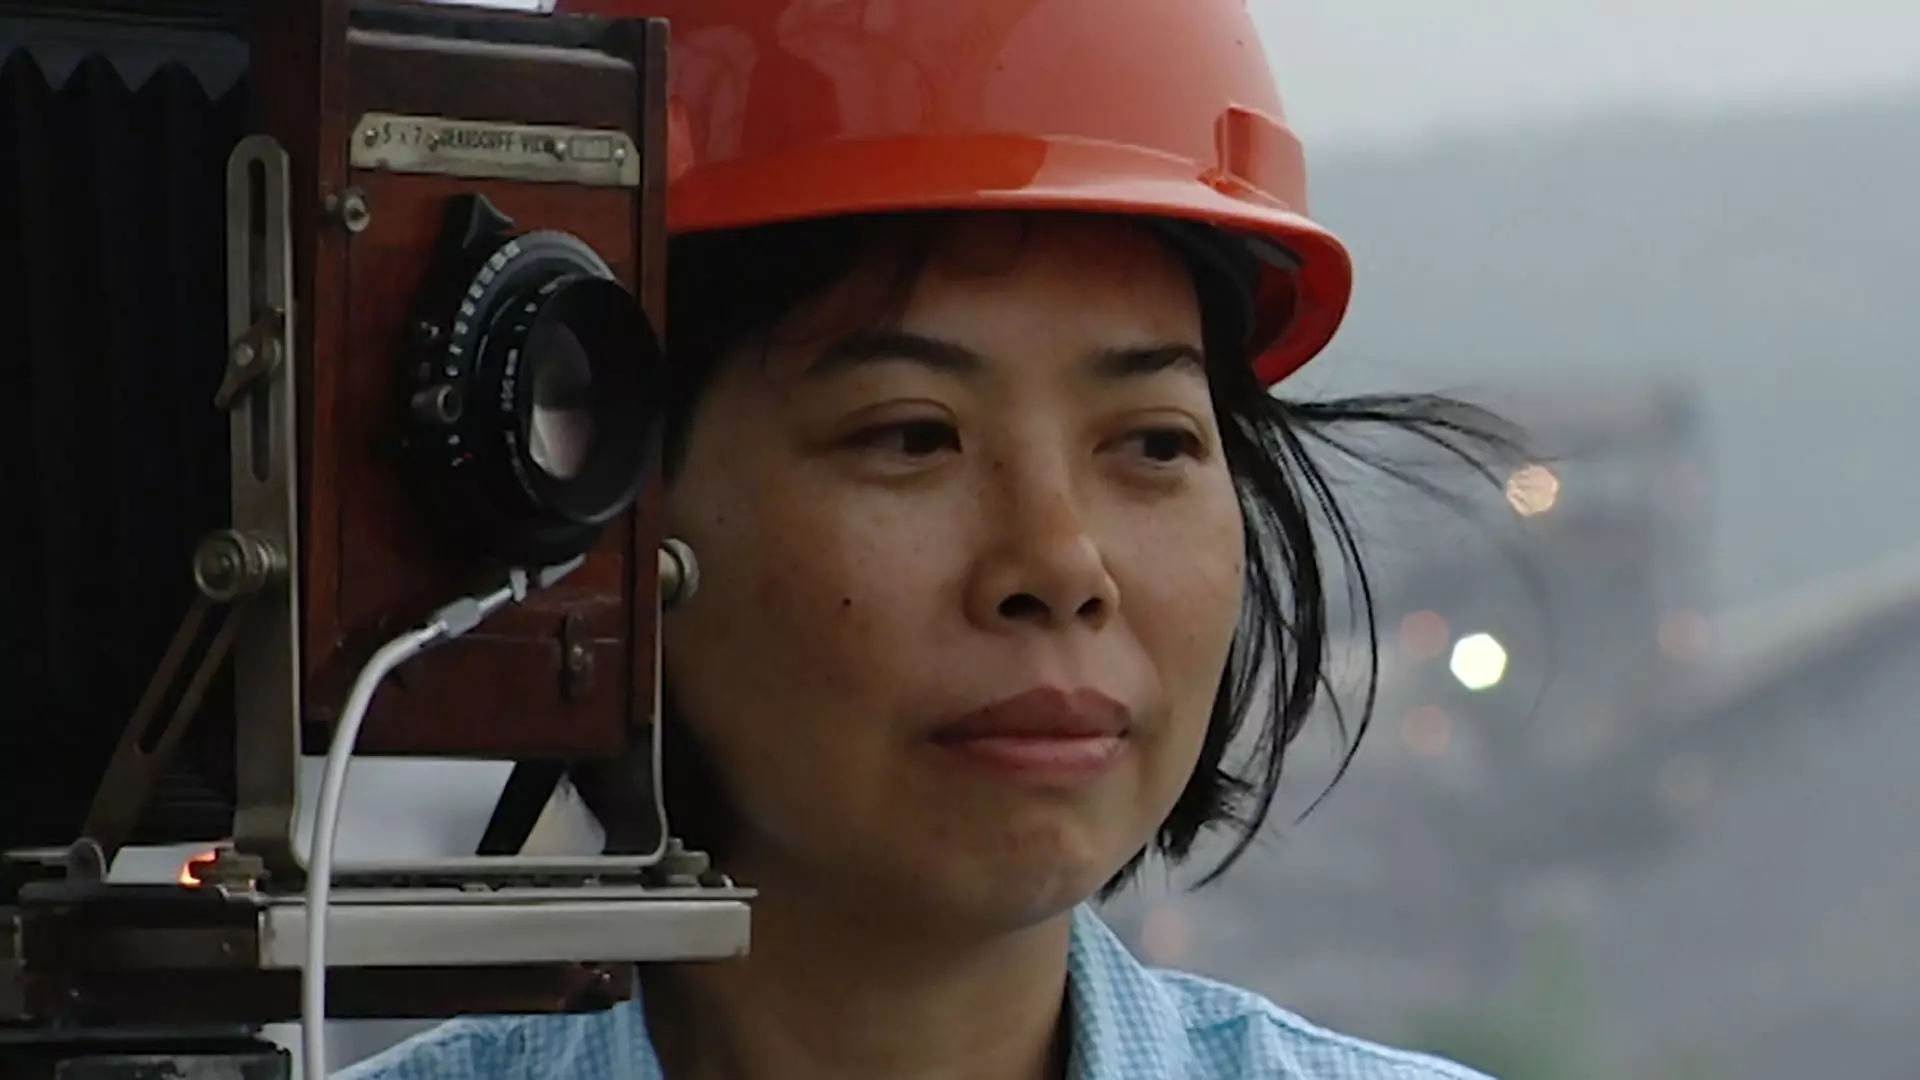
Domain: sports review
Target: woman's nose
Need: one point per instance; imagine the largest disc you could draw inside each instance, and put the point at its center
(1041, 568)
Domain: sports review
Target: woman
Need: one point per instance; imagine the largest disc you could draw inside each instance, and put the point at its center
(974, 304)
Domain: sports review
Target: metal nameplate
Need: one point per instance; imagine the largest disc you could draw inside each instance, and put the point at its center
(485, 150)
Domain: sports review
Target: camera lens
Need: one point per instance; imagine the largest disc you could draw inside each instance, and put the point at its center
(569, 365)
(560, 428)
(549, 365)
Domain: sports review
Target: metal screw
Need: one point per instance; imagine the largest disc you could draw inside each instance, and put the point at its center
(354, 213)
(349, 209)
(620, 154)
(244, 354)
(370, 136)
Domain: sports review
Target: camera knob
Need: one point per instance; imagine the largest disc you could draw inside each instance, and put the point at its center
(439, 405)
(230, 565)
(679, 573)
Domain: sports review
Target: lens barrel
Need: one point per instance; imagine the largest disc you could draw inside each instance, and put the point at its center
(531, 417)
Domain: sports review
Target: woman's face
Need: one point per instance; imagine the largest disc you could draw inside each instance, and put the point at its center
(969, 578)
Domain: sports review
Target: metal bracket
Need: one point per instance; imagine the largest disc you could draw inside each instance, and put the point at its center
(229, 568)
(259, 394)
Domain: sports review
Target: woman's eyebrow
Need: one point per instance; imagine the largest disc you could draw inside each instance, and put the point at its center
(1129, 360)
(952, 358)
(895, 346)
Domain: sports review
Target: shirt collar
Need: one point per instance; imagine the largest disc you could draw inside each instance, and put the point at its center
(1125, 1026)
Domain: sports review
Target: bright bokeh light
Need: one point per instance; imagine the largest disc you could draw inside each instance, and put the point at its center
(1479, 661)
(1533, 490)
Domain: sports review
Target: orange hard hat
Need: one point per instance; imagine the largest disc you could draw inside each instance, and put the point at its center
(791, 109)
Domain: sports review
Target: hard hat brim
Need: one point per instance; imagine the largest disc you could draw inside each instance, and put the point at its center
(1307, 277)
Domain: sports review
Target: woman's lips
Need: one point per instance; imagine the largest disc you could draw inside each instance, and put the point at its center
(1046, 734)
(1044, 757)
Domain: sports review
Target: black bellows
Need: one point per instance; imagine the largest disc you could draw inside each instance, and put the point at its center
(113, 460)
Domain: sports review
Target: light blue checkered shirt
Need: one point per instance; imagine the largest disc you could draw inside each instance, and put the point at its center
(1130, 1022)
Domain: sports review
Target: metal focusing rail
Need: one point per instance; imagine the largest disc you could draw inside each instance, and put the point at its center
(523, 934)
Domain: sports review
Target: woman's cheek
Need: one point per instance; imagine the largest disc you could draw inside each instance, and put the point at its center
(856, 571)
(1181, 570)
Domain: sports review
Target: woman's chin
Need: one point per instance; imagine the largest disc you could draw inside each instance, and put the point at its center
(1010, 889)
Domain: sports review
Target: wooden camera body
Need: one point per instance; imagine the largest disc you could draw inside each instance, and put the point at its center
(567, 673)
(430, 241)
(444, 273)
(476, 209)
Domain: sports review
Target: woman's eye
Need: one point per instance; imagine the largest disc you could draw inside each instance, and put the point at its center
(1164, 446)
(912, 438)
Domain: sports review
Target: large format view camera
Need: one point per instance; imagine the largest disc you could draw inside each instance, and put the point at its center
(337, 325)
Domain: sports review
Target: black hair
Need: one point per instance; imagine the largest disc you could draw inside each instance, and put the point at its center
(736, 287)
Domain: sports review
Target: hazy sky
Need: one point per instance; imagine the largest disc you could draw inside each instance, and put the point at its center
(1370, 70)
